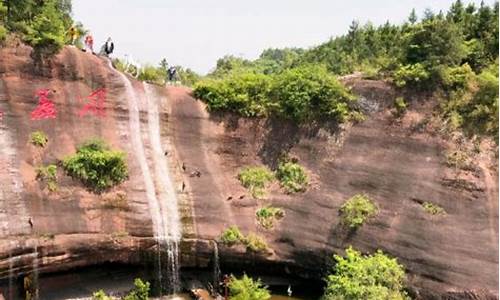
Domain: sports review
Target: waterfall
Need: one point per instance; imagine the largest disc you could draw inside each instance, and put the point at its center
(11, 276)
(216, 266)
(166, 193)
(160, 192)
(36, 288)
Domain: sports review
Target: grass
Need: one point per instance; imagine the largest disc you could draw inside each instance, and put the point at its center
(233, 236)
(433, 209)
(292, 177)
(357, 210)
(255, 179)
(266, 216)
(255, 243)
(39, 139)
(48, 174)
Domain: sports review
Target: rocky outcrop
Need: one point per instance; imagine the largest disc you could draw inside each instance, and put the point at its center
(399, 163)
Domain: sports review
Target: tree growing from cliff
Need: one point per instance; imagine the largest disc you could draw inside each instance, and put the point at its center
(357, 276)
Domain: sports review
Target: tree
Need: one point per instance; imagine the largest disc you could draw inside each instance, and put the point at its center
(413, 17)
(456, 12)
(247, 289)
(47, 32)
(357, 276)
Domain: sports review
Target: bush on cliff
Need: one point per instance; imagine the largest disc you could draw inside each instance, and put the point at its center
(97, 166)
(358, 276)
(298, 94)
(357, 210)
(247, 289)
(255, 179)
(292, 176)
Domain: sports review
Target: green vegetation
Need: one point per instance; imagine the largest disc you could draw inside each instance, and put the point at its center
(97, 166)
(42, 24)
(252, 241)
(292, 177)
(38, 138)
(231, 236)
(266, 216)
(247, 289)
(357, 210)
(399, 107)
(453, 55)
(48, 174)
(458, 159)
(358, 276)
(301, 94)
(255, 179)
(139, 292)
(433, 209)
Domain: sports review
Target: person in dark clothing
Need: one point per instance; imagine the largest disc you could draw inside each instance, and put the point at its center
(172, 74)
(109, 46)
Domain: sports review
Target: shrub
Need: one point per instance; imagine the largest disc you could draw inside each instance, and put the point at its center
(359, 276)
(458, 159)
(38, 138)
(433, 209)
(151, 74)
(299, 94)
(399, 106)
(254, 242)
(48, 174)
(244, 93)
(266, 216)
(96, 166)
(292, 177)
(247, 289)
(255, 179)
(310, 92)
(100, 295)
(413, 74)
(140, 291)
(357, 210)
(231, 236)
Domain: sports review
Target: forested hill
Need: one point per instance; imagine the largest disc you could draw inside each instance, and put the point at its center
(453, 55)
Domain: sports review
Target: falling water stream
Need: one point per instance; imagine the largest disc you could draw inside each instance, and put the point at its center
(162, 200)
(216, 266)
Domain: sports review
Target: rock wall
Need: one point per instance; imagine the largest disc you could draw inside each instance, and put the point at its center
(398, 163)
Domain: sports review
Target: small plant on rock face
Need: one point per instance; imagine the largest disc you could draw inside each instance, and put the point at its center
(399, 107)
(255, 179)
(231, 236)
(357, 210)
(266, 216)
(292, 177)
(97, 166)
(48, 174)
(433, 209)
(39, 139)
(254, 242)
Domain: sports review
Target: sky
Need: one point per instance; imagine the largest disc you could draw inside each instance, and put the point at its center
(195, 33)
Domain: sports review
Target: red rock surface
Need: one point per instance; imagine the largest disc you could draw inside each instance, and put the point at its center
(399, 164)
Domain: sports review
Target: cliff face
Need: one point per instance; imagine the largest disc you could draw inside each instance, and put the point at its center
(399, 164)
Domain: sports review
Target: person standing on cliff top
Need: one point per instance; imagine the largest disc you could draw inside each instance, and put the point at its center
(89, 43)
(109, 46)
(73, 35)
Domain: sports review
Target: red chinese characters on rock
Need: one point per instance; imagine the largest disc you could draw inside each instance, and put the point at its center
(46, 108)
(94, 104)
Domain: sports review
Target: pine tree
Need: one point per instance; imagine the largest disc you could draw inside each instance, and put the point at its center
(456, 12)
(413, 17)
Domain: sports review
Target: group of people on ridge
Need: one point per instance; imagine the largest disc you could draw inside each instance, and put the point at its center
(106, 49)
